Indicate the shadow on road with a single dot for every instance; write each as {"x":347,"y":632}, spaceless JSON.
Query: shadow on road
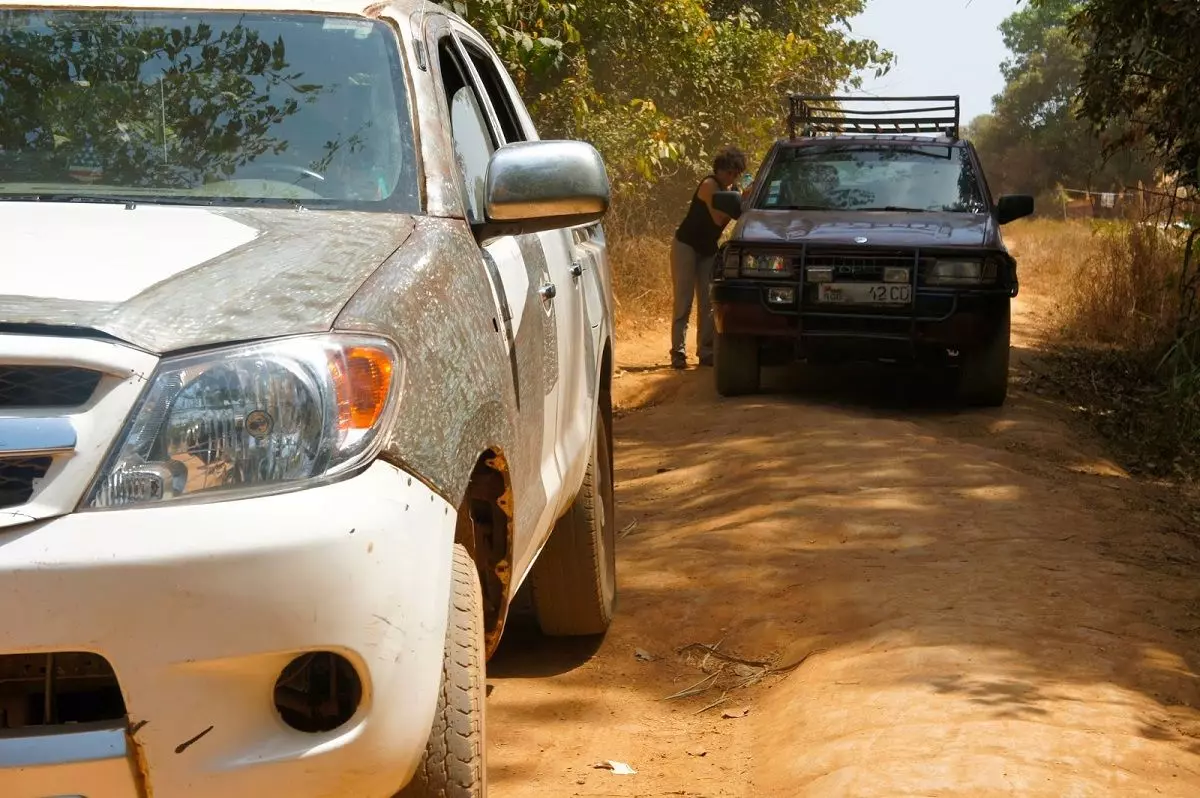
{"x":972,"y":580}
{"x":525,"y":653}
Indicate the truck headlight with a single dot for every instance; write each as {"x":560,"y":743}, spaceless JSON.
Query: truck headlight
{"x":771,"y":265}
{"x":956,"y":272}
{"x":253,"y":419}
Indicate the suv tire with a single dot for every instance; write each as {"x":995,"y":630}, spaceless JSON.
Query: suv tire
{"x":574,"y":580}
{"x":983,"y":376}
{"x":737,"y":364}
{"x":455,"y":761}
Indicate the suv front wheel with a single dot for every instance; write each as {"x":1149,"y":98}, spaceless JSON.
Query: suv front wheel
{"x":737,"y":366}
{"x":983,"y":376}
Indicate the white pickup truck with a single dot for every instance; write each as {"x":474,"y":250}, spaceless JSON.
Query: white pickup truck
{"x":305,"y":369}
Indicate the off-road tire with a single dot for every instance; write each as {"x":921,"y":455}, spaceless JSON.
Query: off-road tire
{"x":455,"y":761}
{"x":574,"y":581}
{"x":983,"y":376}
{"x":737,"y":366}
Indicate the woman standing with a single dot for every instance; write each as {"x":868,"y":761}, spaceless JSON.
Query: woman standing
{"x":692,"y":254}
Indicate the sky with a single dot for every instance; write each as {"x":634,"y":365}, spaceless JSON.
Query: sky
{"x":947,"y":47}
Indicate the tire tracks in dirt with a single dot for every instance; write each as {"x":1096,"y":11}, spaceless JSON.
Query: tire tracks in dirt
{"x":983,"y":602}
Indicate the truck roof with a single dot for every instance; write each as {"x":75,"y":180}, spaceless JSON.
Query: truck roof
{"x":899,"y":139}
{"x":811,"y":115}
{"x":363,"y":8}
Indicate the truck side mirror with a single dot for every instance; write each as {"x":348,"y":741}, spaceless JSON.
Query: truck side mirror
{"x":1011,"y":207}
{"x":728,"y":203}
{"x":544,"y":185}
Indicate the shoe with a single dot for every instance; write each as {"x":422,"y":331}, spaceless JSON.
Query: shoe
{"x":678,"y":362}
{"x":707,"y":360}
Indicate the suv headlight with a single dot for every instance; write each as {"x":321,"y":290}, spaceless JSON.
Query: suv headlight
{"x":253,"y":419}
{"x":961,"y":272}
{"x":766,"y":264}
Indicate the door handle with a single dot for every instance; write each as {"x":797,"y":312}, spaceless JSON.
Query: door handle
{"x":548,"y":291}
{"x":576,"y":269}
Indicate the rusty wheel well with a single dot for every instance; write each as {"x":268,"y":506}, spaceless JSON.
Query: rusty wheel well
{"x":484,"y":528}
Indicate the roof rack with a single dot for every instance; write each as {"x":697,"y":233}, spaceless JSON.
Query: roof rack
{"x":811,"y":115}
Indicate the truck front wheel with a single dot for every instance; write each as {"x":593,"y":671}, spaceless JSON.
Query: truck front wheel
{"x":575,"y":577}
{"x":455,"y":760}
{"x":983,"y":376}
{"x":737,"y":366}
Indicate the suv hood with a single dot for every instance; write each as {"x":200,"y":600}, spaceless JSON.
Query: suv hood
{"x":880,"y":228}
{"x":172,"y":277}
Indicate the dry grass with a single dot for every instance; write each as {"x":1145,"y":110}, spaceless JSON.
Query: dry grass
{"x":640,"y":253}
{"x":641,"y":279}
{"x":1108,"y":283}
{"x":1110,"y":293}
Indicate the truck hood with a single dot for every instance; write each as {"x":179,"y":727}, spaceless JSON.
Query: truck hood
{"x":172,"y":277}
{"x":880,"y":228}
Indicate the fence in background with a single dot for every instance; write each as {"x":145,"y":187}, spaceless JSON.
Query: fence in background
{"x":1138,"y":204}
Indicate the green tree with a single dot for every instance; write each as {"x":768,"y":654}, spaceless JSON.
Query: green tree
{"x":1141,"y":68}
{"x":658,"y":85}
{"x":1034,"y":138}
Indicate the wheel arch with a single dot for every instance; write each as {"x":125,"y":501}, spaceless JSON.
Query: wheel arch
{"x":484,"y":527}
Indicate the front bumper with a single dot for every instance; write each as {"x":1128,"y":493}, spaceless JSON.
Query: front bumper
{"x":199,"y":607}
{"x":938,"y":321}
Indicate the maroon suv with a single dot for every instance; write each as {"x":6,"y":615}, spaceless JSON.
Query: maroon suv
{"x":868,"y":235}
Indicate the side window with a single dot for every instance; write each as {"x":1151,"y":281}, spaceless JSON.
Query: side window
{"x":497,"y":92}
{"x":473,"y":144}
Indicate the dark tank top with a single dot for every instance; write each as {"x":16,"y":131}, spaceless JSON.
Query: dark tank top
{"x":698,"y":230}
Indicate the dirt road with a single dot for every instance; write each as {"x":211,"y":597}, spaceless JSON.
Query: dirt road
{"x":914,"y":601}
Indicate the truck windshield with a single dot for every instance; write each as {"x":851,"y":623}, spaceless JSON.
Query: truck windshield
{"x":860,"y":177}
{"x":204,"y":107}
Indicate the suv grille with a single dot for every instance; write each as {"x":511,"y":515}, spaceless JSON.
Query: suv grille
{"x":867,"y":268}
{"x":46,"y":386}
{"x":17,"y":478}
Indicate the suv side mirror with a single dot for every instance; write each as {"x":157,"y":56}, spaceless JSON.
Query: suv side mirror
{"x":1014,"y":206}
{"x":543,"y":185}
{"x":728,"y":203}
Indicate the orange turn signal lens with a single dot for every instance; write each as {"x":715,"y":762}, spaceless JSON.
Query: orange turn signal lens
{"x":363,"y":376}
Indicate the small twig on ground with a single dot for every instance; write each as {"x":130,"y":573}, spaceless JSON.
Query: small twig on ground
{"x":695,"y":689}
{"x":711,"y":651}
{"x":724,"y":697}
{"x":731,"y":672}
{"x":793,"y":665}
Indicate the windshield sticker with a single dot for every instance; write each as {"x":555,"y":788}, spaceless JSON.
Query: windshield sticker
{"x":359,"y":27}
{"x":85,"y":166}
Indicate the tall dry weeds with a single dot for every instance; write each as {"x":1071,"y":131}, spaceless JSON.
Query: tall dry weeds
{"x":1109,"y":283}
{"x":1112,"y":293}
{"x":640,"y":254}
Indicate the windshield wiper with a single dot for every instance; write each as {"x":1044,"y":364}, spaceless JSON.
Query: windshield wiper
{"x":105,"y":199}
{"x":897,"y":208}
{"x":798,"y":208}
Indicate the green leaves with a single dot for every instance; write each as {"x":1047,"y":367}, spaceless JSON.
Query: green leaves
{"x":1140,"y":67}
{"x":1034,"y":139}
{"x":659,"y":85}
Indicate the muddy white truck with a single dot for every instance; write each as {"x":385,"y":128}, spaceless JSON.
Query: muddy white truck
{"x":305,"y":368}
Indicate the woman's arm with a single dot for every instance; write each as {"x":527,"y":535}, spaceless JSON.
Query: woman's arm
{"x":706,"y":191}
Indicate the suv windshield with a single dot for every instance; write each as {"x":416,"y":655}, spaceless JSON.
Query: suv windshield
{"x":863,"y":177}
{"x":204,"y":107}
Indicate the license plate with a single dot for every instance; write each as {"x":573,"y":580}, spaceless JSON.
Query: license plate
{"x":865,"y":293}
